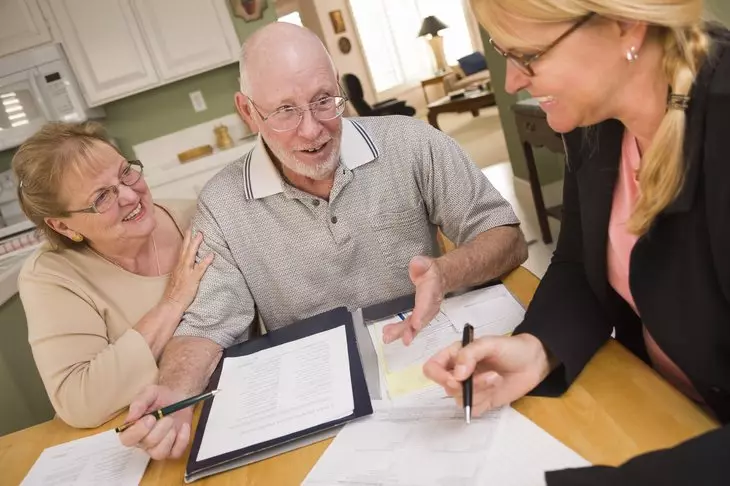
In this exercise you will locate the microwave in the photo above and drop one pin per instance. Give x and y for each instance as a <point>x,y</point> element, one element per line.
<point>37,86</point>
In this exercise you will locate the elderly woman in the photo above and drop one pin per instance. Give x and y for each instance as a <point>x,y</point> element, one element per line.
<point>107,290</point>
<point>641,89</point>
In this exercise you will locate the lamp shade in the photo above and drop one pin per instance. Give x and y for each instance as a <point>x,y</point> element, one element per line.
<point>431,25</point>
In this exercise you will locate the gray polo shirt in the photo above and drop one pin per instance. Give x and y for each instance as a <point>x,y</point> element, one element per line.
<point>292,255</point>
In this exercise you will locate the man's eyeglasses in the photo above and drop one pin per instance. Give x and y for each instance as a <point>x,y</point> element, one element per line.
<point>131,174</point>
<point>523,62</point>
<point>289,117</point>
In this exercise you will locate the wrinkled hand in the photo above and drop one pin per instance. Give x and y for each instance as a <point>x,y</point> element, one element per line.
<point>505,369</point>
<point>183,284</point>
<point>164,438</point>
<point>426,276</point>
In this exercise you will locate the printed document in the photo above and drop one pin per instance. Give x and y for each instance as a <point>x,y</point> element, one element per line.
<point>279,391</point>
<point>94,460</point>
<point>432,446</point>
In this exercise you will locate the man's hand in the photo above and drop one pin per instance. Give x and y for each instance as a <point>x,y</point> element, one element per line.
<point>427,277</point>
<point>164,438</point>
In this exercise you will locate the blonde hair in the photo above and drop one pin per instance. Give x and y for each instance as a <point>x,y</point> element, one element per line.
<point>679,28</point>
<point>40,165</point>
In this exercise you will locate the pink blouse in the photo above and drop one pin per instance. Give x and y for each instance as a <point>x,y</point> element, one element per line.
<point>620,244</point>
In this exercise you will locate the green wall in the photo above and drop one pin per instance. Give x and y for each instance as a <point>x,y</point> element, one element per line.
<point>167,109</point>
<point>549,165</point>
<point>718,10</point>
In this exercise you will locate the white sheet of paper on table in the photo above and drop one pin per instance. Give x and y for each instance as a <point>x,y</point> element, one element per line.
<point>431,445</point>
<point>410,445</point>
<point>91,461</point>
<point>493,311</point>
<point>279,391</point>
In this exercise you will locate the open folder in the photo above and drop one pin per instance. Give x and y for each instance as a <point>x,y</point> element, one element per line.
<point>287,389</point>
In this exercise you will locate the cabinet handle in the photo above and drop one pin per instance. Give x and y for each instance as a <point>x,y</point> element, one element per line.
<point>530,126</point>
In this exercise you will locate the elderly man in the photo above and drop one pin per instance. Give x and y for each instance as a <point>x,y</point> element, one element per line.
<point>323,212</point>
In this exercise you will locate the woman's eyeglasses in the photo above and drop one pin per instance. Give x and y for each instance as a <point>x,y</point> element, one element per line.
<point>523,62</point>
<point>106,198</point>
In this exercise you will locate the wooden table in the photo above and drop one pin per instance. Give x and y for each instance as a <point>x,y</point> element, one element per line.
<point>534,131</point>
<point>435,80</point>
<point>471,101</point>
<point>617,408</point>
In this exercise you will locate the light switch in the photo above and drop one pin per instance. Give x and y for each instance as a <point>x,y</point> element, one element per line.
<point>196,97</point>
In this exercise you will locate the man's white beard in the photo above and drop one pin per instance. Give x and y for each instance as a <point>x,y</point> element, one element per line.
<point>318,172</point>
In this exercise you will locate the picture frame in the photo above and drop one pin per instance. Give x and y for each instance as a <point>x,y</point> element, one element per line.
<point>249,10</point>
<point>338,21</point>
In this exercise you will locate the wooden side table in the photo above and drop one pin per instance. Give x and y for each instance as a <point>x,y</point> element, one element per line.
<point>534,130</point>
<point>437,79</point>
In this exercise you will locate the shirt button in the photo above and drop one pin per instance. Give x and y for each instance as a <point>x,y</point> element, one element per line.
<point>315,202</point>
<point>334,220</point>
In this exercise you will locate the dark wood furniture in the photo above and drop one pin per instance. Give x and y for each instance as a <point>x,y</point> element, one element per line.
<point>471,101</point>
<point>534,131</point>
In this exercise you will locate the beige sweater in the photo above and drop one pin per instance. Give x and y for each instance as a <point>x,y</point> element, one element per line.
<point>81,310</point>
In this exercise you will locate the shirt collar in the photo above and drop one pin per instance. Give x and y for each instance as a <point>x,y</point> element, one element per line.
<point>262,178</point>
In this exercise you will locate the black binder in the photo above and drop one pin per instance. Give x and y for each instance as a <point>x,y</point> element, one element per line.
<point>307,327</point>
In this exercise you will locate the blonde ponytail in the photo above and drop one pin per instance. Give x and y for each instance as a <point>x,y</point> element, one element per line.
<point>662,166</point>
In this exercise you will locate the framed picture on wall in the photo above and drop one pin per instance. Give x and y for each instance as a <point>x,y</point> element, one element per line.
<point>249,10</point>
<point>338,21</point>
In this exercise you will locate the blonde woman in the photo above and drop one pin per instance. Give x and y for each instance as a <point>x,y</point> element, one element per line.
<point>107,290</point>
<point>641,90</point>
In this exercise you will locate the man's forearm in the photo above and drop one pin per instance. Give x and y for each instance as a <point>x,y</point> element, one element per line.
<point>188,362</point>
<point>489,255</point>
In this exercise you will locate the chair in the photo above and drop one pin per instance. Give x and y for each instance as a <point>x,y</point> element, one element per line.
<point>388,107</point>
<point>472,70</point>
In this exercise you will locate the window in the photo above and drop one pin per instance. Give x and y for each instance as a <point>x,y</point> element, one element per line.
<point>388,30</point>
<point>292,18</point>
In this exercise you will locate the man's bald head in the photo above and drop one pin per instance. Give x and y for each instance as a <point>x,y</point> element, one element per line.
<point>280,49</point>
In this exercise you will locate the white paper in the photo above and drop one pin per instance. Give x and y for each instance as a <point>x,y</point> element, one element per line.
<point>279,391</point>
<point>432,446</point>
<point>432,338</point>
<point>522,452</point>
<point>407,446</point>
<point>493,311</point>
<point>95,460</point>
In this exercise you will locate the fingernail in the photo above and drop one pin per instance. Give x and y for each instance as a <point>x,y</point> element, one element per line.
<point>460,370</point>
<point>149,421</point>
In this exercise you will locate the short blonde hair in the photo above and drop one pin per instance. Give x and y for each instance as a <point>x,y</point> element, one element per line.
<point>40,165</point>
<point>679,28</point>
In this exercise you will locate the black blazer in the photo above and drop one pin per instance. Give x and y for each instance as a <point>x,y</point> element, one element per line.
<point>679,278</point>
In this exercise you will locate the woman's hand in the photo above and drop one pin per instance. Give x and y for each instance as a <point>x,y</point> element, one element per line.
<point>505,369</point>
<point>183,284</point>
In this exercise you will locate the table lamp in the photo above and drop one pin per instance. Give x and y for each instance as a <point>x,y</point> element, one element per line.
<point>431,27</point>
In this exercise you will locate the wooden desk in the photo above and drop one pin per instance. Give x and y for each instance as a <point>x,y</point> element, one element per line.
<point>435,80</point>
<point>617,408</point>
<point>534,130</point>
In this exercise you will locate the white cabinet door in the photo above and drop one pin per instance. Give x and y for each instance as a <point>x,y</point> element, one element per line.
<point>105,47</point>
<point>21,26</point>
<point>188,36</point>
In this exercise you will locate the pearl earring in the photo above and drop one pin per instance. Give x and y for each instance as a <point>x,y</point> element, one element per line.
<point>631,54</point>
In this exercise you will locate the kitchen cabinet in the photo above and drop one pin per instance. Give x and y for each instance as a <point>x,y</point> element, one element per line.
<point>187,36</point>
<point>118,48</point>
<point>21,26</point>
<point>105,47</point>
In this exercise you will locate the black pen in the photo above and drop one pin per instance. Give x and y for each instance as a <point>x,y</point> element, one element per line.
<point>158,414</point>
<point>467,385</point>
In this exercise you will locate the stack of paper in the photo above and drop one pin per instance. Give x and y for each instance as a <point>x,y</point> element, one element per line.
<point>279,391</point>
<point>493,311</point>
<point>95,460</point>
